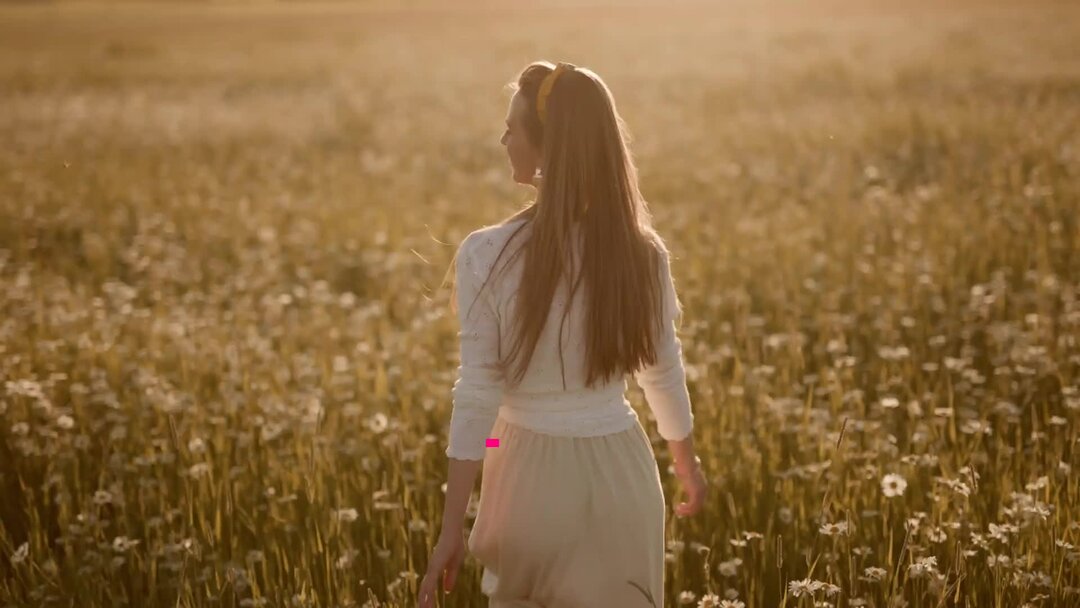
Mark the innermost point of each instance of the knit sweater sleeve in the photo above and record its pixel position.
(664, 381)
(478, 390)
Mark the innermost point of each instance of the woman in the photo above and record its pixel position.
(571, 511)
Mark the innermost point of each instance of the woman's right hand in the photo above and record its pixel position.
(695, 487)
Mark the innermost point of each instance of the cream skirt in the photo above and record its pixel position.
(570, 522)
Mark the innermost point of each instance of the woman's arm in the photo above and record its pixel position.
(478, 391)
(460, 480)
(682, 454)
(664, 381)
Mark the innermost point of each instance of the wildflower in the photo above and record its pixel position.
(957, 486)
(730, 567)
(271, 431)
(378, 423)
(122, 543)
(971, 427)
(890, 403)
(687, 597)
(893, 485)
(196, 446)
(894, 353)
(831, 589)
(979, 540)
(998, 560)
(346, 559)
(874, 573)
(914, 408)
(1000, 533)
(923, 567)
(804, 587)
(198, 470)
(26, 388)
(21, 553)
(970, 472)
(1038, 484)
(936, 534)
(346, 515)
(65, 422)
(837, 529)
(732, 604)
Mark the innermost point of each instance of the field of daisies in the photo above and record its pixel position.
(226, 351)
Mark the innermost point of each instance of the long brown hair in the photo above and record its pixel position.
(590, 181)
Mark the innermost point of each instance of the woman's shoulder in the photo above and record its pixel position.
(484, 244)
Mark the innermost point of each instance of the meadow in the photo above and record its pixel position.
(226, 348)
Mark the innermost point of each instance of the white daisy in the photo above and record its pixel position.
(893, 485)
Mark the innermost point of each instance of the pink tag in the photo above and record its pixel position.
(492, 442)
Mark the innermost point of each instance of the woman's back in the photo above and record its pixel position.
(552, 396)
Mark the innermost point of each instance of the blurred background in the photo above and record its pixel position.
(225, 341)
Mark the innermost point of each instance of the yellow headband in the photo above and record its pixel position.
(545, 89)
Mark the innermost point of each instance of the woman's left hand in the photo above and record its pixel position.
(445, 564)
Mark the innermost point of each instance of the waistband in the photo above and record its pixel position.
(569, 414)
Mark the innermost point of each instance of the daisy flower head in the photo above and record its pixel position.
(837, 529)
(806, 586)
(893, 485)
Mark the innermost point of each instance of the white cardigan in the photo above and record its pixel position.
(540, 402)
